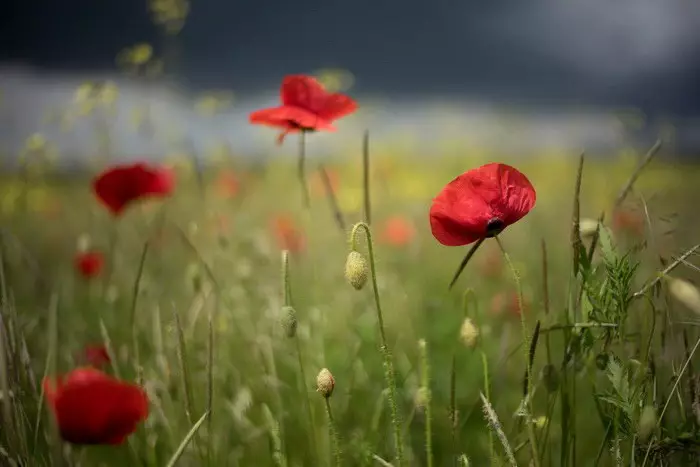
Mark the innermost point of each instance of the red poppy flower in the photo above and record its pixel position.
(119, 186)
(89, 264)
(480, 203)
(306, 106)
(289, 236)
(96, 355)
(91, 407)
(397, 231)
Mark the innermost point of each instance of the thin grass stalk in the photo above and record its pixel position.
(526, 347)
(388, 363)
(132, 313)
(495, 426)
(332, 201)
(186, 441)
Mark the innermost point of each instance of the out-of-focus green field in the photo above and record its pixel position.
(258, 395)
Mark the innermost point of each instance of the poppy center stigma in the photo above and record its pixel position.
(494, 227)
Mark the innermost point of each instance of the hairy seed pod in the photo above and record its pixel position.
(469, 333)
(356, 270)
(288, 321)
(325, 383)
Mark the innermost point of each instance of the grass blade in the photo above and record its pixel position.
(186, 441)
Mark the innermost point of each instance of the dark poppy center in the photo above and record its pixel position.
(494, 227)
(294, 124)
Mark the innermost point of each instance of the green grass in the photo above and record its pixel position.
(192, 309)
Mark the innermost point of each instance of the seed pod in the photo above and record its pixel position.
(288, 321)
(356, 270)
(422, 398)
(469, 333)
(325, 383)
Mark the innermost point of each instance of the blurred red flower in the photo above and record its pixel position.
(397, 231)
(89, 263)
(288, 235)
(96, 355)
(119, 186)
(480, 203)
(91, 407)
(306, 106)
(629, 222)
(508, 302)
(227, 184)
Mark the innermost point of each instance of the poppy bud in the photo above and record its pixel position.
(356, 270)
(325, 383)
(550, 376)
(587, 227)
(422, 398)
(469, 333)
(684, 292)
(288, 320)
(647, 423)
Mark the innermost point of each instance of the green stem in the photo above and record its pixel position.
(301, 170)
(487, 393)
(332, 432)
(526, 347)
(388, 364)
(287, 299)
(425, 384)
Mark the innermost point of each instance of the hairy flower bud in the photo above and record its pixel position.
(356, 270)
(469, 333)
(325, 383)
(288, 321)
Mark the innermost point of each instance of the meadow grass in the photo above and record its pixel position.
(195, 305)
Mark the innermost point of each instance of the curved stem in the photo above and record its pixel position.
(526, 347)
(388, 364)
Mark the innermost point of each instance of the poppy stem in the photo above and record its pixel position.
(301, 170)
(425, 384)
(388, 364)
(333, 432)
(466, 259)
(528, 357)
(332, 201)
(365, 177)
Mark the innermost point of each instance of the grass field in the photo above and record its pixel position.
(190, 305)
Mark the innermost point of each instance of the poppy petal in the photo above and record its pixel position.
(461, 212)
(118, 186)
(303, 91)
(337, 106)
(291, 119)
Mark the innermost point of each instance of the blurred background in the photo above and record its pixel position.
(540, 75)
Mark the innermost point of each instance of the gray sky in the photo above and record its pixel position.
(564, 61)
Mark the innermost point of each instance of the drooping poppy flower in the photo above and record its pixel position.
(89, 263)
(119, 186)
(91, 407)
(306, 106)
(397, 231)
(480, 204)
(288, 235)
(96, 355)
